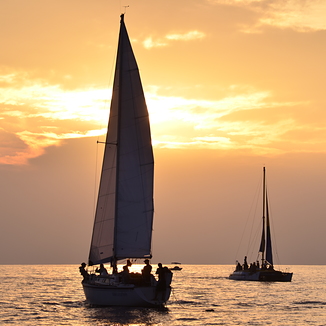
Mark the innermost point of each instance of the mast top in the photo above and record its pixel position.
(122, 15)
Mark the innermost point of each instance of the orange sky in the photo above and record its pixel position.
(231, 86)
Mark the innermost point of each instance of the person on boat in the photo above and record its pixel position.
(102, 270)
(83, 271)
(160, 272)
(164, 280)
(125, 275)
(257, 264)
(160, 286)
(114, 266)
(252, 267)
(127, 265)
(238, 267)
(245, 264)
(146, 272)
(168, 276)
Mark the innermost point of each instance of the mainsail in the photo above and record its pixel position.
(124, 212)
(266, 240)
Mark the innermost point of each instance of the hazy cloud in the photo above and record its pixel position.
(189, 36)
(300, 15)
(35, 115)
(150, 43)
(192, 35)
(42, 107)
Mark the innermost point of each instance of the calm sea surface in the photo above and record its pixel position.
(202, 295)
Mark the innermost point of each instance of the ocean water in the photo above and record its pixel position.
(202, 295)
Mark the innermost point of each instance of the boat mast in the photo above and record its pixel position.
(120, 53)
(263, 240)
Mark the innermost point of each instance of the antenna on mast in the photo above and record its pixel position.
(125, 8)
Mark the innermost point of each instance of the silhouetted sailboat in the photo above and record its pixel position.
(265, 270)
(124, 213)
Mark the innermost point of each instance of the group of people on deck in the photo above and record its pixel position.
(145, 278)
(253, 266)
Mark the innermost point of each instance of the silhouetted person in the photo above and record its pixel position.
(127, 265)
(125, 277)
(245, 264)
(161, 284)
(146, 272)
(114, 266)
(102, 270)
(83, 271)
(168, 276)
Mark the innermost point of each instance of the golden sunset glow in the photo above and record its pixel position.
(229, 85)
(37, 113)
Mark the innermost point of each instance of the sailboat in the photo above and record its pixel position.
(124, 212)
(263, 271)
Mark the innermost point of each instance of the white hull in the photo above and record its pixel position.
(262, 276)
(124, 295)
(108, 291)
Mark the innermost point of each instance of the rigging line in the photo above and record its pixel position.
(176, 299)
(102, 126)
(255, 239)
(254, 201)
(95, 181)
(259, 186)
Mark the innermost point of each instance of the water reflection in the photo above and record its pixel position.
(122, 316)
(202, 295)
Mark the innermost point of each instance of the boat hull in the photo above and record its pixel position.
(127, 295)
(262, 276)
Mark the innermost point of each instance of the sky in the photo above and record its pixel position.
(231, 86)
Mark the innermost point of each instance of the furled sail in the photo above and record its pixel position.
(269, 252)
(262, 241)
(266, 240)
(263, 237)
(124, 212)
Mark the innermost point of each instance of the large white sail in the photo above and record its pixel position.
(124, 212)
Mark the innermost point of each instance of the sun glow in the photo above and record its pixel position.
(37, 116)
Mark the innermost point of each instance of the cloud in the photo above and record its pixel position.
(250, 121)
(150, 43)
(189, 36)
(35, 116)
(300, 15)
(192, 35)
